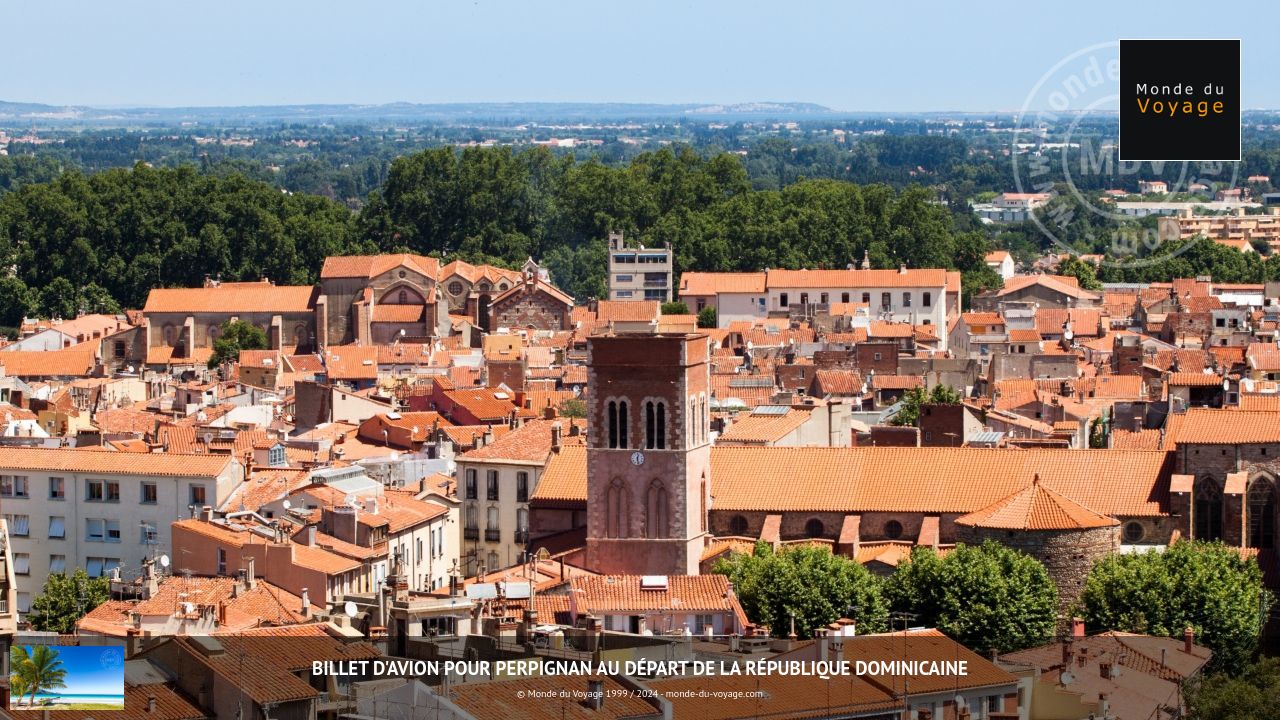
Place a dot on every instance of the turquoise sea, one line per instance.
(76, 698)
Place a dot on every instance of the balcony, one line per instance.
(471, 533)
(492, 535)
(522, 537)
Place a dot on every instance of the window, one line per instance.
(94, 529)
(491, 484)
(113, 530)
(844, 297)
(906, 299)
(19, 525)
(737, 525)
(148, 493)
(57, 488)
(804, 298)
(522, 487)
(276, 455)
(893, 529)
(622, 278)
(655, 425)
(57, 527)
(657, 518)
(93, 490)
(222, 561)
(866, 298)
(471, 517)
(197, 495)
(624, 293)
(149, 535)
(783, 300)
(21, 564)
(617, 524)
(24, 602)
(927, 300)
(13, 486)
(113, 491)
(1208, 510)
(1134, 532)
(493, 560)
(617, 421)
(814, 528)
(1261, 510)
(886, 300)
(471, 485)
(119, 348)
(419, 555)
(822, 298)
(57, 564)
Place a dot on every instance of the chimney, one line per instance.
(555, 437)
(151, 703)
(250, 581)
(206, 513)
(222, 617)
(549, 412)
(1077, 627)
(820, 635)
(1067, 652)
(595, 694)
(373, 506)
(311, 534)
(1104, 707)
(1188, 639)
(306, 604)
(902, 269)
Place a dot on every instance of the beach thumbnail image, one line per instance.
(58, 677)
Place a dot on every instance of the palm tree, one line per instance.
(19, 672)
(36, 671)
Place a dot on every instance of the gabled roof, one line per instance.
(710, 283)
(531, 442)
(1065, 285)
(923, 278)
(75, 361)
(533, 286)
(1036, 507)
(368, 266)
(628, 310)
(1211, 426)
(87, 461)
(247, 297)
(613, 594)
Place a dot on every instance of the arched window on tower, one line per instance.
(616, 510)
(657, 516)
(1261, 511)
(624, 439)
(655, 425)
(611, 410)
(1208, 509)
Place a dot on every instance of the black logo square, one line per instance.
(1180, 100)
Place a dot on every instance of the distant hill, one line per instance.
(17, 113)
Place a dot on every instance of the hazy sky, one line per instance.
(906, 55)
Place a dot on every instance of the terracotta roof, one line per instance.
(927, 278)
(1209, 426)
(126, 420)
(351, 362)
(628, 310)
(531, 286)
(170, 705)
(887, 479)
(84, 461)
(611, 594)
(392, 313)
(531, 442)
(75, 361)
(232, 298)
(1024, 335)
(1036, 507)
(265, 603)
(982, 318)
(465, 435)
(757, 429)
(896, 382)
(1085, 322)
(1139, 440)
(367, 266)
(708, 283)
(1194, 379)
(1062, 284)
(483, 403)
(1259, 403)
(837, 382)
(997, 256)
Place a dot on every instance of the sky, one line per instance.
(851, 56)
(91, 670)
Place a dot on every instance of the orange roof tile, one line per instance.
(628, 310)
(1065, 285)
(1036, 507)
(392, 313)
(367, 266)
(709, 283)
(84, 461)
(1210, 426)
(1135, 440)
(762, 429)
(928, 277)
(351, 362)
(232, 298)
(75, 361)
(529, 443)
(606, 594)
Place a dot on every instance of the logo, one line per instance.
(1180, 100)
(1065, 154)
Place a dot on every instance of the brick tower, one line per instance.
(648, 453)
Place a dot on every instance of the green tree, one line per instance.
(913, 399)
(675, 308)
(573, 408)
(16, 301)
(1251, 695)
(987, 597)
(66, 598)
(59, 299)
(38, 669)
(1085, 272)
(809, 585)
(707, 318)
(236, 335)
(1208, 587)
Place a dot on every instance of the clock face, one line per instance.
(637, 458)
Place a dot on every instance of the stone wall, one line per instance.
(1068, 555)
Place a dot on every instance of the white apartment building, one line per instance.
(639, 273)
(69, 509)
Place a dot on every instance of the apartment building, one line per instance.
(1235, 229)
(639, 273)
(69, 509)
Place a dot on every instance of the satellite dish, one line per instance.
(1068, 334)
(1067, 678)
(286, 504)
(164, 561)
(350, 609)
(187, 608)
